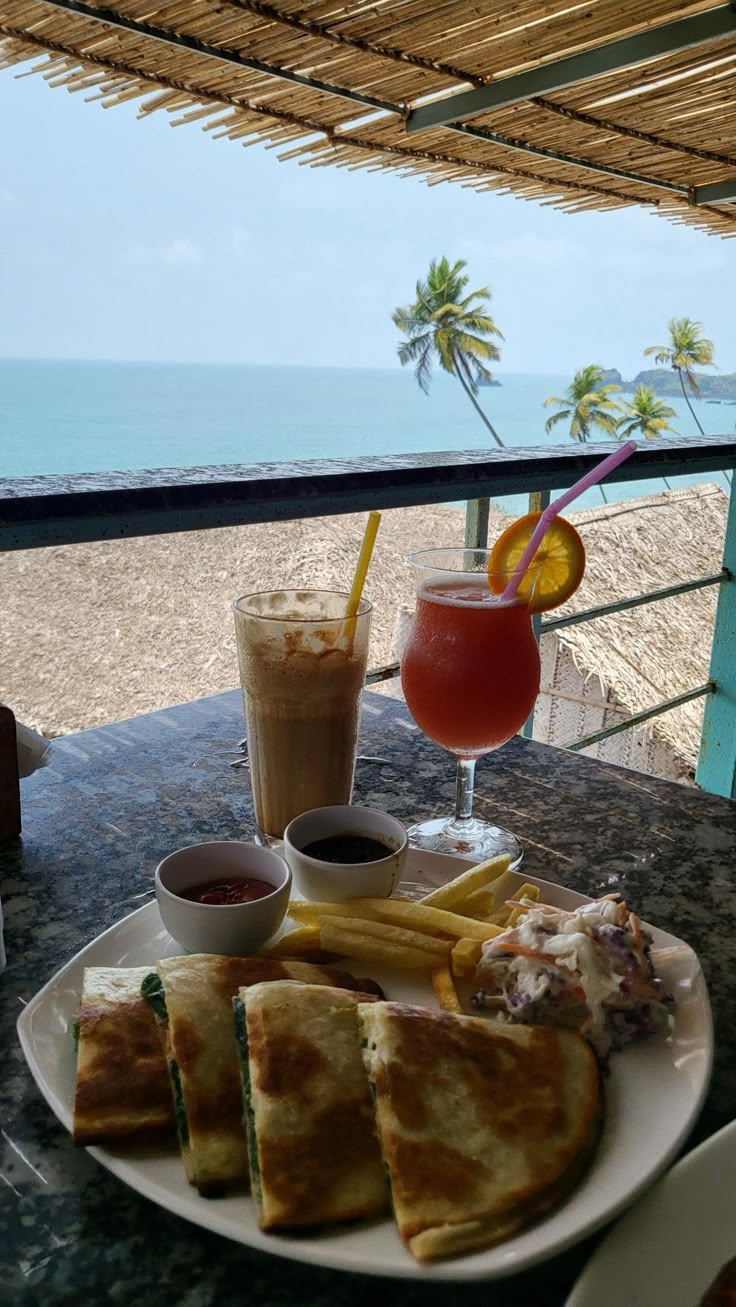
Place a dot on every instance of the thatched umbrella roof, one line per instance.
(660, 650)
(594, 106)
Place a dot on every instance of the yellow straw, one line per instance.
(361, 568)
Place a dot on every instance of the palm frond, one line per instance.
(562, 416)
(423, 370)
(662, 353)
(419, 352)
(410, 350)
(604, 421)
(475, 346)
(626, 428)
(485, 293)
(443, 339)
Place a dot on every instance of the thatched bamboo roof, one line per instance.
(652, 653)
(636, 105)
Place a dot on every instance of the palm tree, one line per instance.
(688, 348)
(586, 404)
(645, 414)
(648, 416)
(445, 322)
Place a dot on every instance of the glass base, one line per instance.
(475, 840)
(267, 841)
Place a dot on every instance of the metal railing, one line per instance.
(40, 511)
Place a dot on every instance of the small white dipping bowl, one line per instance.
(235, 929)
(332, 882)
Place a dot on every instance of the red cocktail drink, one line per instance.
(470, 674)
(470, 671)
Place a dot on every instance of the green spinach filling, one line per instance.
(153, 991)
(180, 1116)
(241, 1037)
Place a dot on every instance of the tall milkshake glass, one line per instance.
(302, 668)
(470, 675)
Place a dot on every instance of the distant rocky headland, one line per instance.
(665, 381)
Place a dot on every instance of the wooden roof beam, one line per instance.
(655, 43)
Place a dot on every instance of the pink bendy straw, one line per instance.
(591, 478)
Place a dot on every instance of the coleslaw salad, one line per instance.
(589, 970)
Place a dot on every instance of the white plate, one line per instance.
(653, 1094)
(668, 1250)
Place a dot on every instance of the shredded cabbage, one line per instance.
(589, 970)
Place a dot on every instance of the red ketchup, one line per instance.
(220, 893)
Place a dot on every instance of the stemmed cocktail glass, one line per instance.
(470, 675)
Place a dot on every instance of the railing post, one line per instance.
(477, 512)
(538, 501)
(717, 758)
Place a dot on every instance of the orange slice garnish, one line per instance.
(558, 564)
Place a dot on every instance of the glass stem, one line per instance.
(464, 792)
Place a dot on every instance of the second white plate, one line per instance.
(668, 1250)
(653, 1094)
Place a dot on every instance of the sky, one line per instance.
(134, 241)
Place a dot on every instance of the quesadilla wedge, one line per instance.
(483, 1127)
(192, 996)
(312, 1146)
(122, 1089)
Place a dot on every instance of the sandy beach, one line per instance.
(93, 633)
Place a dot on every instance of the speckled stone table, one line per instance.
(96, 822)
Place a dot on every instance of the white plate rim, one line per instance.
(320, 1251)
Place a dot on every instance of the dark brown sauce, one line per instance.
(221, 893)
(347, 848)
(722, 1292)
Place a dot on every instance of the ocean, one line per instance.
(63, 417)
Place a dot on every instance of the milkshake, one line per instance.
(302, 668)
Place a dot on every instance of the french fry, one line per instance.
(483, 902)
(455, 891)
(480, 904)
(526, 891)
(445, 992)
(514, 918)
(439, 948)
(296, 944)
(415, 916)
(466, 956)
(336, 939)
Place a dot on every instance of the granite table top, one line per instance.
(116, 799)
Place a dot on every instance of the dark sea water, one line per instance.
(88, 416)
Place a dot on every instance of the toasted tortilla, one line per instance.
(196, 1027)
(312, 1146)
(484, 1127)
(122, 1090)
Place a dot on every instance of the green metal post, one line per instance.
(477, 512)
(717, 758)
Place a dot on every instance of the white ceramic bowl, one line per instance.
(332, 882)
(235, 929)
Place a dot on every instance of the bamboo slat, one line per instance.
(668, 125)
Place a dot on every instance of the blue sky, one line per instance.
(133, 240)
